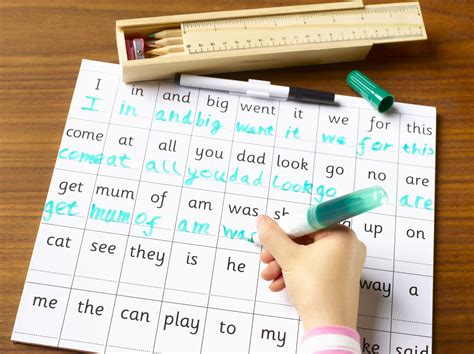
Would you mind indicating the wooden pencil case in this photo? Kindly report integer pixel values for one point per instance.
(229, 61)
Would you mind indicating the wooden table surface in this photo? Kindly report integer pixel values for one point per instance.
(43, 42)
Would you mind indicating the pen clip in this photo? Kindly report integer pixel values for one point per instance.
(263, 82)
(255, 89)
(254, 94)
(258, 94)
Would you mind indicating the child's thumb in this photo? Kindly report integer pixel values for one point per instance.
(274, 239)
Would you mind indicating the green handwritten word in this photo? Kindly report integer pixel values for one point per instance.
(323, 192)
(208, 122)
(59, 208)
(143, 219)
(127, 109)
(238, 234)
(293, 133)
(92, 103)
(414, 149)
(254, 129)
(374, 146)
(418, 202)
(334, 139)
(124, 217)
(220, 176)
(95, 159)
(195, 228)
(213, 124)
(164, 166)
(306, 187)
(109, 215)
(173, 116)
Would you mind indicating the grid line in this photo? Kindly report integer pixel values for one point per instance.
(216, 247)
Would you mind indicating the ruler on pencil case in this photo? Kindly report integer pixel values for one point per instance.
(384, 23)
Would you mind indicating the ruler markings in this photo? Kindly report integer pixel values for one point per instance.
(378, 23)
(314, 42)
(333, 13)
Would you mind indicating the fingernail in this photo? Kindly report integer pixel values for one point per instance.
(261, 219)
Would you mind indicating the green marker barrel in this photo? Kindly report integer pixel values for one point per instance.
(332, 212)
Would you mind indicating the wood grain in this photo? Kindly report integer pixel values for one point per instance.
(43, 42)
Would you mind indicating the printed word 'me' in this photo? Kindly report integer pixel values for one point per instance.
(43, 301)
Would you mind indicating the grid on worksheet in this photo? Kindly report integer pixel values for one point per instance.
(143, 244)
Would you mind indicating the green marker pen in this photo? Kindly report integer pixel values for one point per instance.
(332, 212)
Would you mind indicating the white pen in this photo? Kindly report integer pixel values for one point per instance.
(256, 88)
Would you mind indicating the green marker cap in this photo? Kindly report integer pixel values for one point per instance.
(377, 96)
(346, 206)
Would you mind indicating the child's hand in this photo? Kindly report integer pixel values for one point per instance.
(322, 274)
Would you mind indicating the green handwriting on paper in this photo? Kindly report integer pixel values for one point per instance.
(127, 110)
(334, 139)
(254, 129)
(217, 175)
(417, 202)
(414, 149)
(62, 208)
(94, 158)
(323, 192)
(286, 185)
(59, 208)
(173, 116)
(292, 133)
(194, 227)
(108, 215)
(164, 166)
(367, 143)
(92, 103)
(238, 234)
(214, 125)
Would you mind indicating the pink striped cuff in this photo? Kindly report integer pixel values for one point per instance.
(345, 331)
(331, 340)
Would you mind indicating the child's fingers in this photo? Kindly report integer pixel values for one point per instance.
(318, 235)
(272, 271)
(275, 240)
(304, 240)
(266, 257)
(278, 284)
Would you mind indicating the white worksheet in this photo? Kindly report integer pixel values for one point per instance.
(145, 242)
